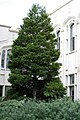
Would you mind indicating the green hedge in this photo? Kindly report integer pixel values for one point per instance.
(62, 109)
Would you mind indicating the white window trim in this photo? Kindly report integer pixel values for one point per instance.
(6, 48)
(67, 25)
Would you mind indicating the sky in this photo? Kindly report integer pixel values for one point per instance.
(13, 11)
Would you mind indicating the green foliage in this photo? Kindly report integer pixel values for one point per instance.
(33, 62)
(60, 109)
(55, 89)
(11, 110)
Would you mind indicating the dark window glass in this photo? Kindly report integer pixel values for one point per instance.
(72, 79)
(58, 40)
(72, 92)
(1, 91)
(72, 37)
(3, 59)
(7, 60)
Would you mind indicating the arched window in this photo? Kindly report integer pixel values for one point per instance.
(72, 37)
(3, 59)
(7, 59)
(71, 32)
(58, 39)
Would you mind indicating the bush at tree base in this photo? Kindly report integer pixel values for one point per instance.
(61, 109)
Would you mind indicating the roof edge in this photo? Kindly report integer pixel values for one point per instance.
(5, 26)
(60, 7)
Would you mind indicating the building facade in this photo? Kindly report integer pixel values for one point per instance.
(7, 36)
(66, 23)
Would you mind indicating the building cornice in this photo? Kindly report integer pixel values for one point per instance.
(16, 31)
(5, 26)
(69, 19)
(57, 9)
(10, 28)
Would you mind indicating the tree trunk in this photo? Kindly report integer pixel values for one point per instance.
(34, 87)
(34, 91)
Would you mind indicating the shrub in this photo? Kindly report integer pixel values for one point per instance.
(61, 109)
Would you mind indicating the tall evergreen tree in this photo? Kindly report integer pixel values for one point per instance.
(33, 62)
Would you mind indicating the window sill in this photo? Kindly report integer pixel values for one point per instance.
(71, 52)
(3, 68)
(69, 85)
(6, 69)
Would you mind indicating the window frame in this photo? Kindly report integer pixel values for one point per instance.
(72, 36)
(7, 57)
(71, 79)
(67, 23)
(58, 39)
(6, 49)
(3, 56)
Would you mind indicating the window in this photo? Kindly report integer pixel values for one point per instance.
(72, 92)
(6, 89)
(72, 86)
(72, 37)
(72, 79)
(66, 82)
(7, 59)
(58, 40)
(1, 87)
(3, 59)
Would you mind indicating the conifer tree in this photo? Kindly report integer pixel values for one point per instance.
(34, 60)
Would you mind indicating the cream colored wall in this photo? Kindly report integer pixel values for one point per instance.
(61, 19)
(7, 36)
